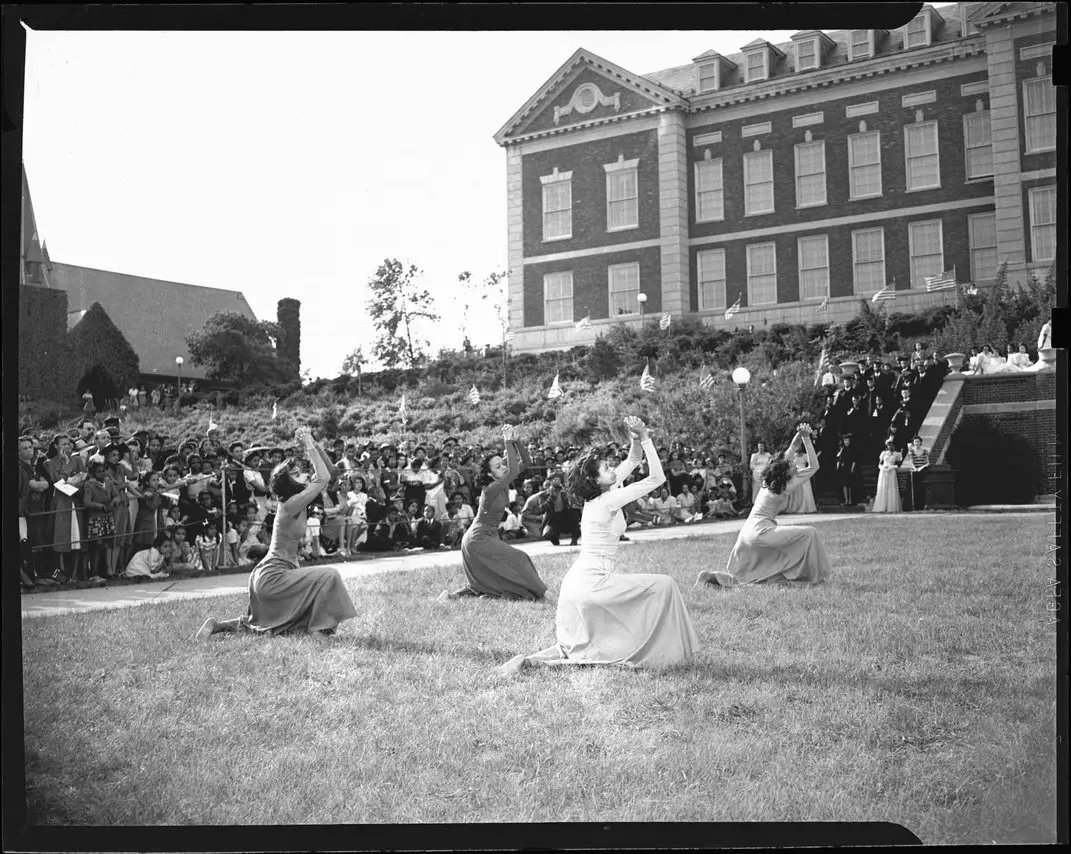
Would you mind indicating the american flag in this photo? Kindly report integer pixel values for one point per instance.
(665, 321)
(706, 381)
(824, 304)
(733, 309)
(555, 389)
(888, 292)
(508, 337)
(944, 282)
(212, 425)
(474, 396)
(583, 324)
(647, 381)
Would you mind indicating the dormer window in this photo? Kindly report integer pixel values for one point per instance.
(861, 44)
(711, 70)
(921, 29)
(811, 46)
(966, 28)
(708, 77)
(759, 57)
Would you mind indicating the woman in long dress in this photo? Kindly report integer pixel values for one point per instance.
(759, 460)
(284, 598)
(67, 526)
(1020, 360)
(887, 499)
(605, 617)
(768, 553)
(802, 499)
(492, 567)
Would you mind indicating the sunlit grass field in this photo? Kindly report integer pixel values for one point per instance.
(917, 688)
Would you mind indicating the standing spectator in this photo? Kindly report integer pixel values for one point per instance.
(919, 462)
(99, 500)
(759, 460)
(132, 395)
(413, 488)
(86, 429)
(847, 462)
(435, 487)
(33, 502)
(155, 396)
(65, 532)
(208, 545)
(89, 406)
(887, 499)
(150, 500)
(677, 472)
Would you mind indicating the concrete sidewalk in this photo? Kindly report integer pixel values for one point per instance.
(44, 604)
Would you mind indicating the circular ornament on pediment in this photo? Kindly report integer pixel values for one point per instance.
(586, 98)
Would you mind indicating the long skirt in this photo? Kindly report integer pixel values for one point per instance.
(769, 553)
(124, 530)
(628, 619)
(887, 499)
(284, 598)
(801, 499)
(67, 524)
(496, 569)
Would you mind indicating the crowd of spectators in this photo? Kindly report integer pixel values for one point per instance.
(160, 396)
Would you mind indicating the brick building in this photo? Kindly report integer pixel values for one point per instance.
(791, 176)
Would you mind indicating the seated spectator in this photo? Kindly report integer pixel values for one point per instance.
(185, 557)
(722, 507)
(153, 562)
(429, 530)
(686, 506)
(665, 507)
(512, 526)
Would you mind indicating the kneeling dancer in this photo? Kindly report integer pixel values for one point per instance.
(604, 617)
(282, 596)
(768, 553)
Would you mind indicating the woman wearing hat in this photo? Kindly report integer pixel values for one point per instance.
(284, 597)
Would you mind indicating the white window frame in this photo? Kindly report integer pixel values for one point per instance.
(908, 157)
(856, 263)
(701, 77)
(749, 77)
(718, 284)
(852, 166)
(556, 180)
(716, 195)
(748, 158)
(1036, 227)
(611, 272)
(819, 145)
(966, 28)
(982, 117)
(977, 273)
(919, 281)
(1048, 117)
(926, 32)
(853, 52)
(823, 291)
(566, 279)
(613, 170)
(752, 299)
(816, 62)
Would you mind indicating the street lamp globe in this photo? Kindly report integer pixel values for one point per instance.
(641, 298)
(178, 361)
(741, 376)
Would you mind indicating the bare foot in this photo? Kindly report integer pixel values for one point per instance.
(512, 667)
(705, 577)
(207, 630)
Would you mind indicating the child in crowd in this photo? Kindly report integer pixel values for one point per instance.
(231, 542)
(154, 562)
(208, 544)
(722, 508)
(185, 558)
(511, 527)
(310, 546)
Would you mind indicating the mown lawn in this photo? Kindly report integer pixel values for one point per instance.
(918, 688)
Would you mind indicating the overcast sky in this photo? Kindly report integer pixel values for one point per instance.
(292, 164)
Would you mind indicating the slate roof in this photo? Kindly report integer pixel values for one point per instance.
(30, 246)
(155, 316)
(683, 79)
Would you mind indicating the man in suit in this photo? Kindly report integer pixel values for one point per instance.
(842, 397)
(429, 530)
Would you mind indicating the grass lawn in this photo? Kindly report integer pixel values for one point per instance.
(918, 688)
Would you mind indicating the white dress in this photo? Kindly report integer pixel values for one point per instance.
(801, 499)
(627, 619)
(758, 465)
(887, 499)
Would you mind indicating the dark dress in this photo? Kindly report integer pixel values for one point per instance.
(492, 567)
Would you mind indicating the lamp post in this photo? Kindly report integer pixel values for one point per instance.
(178, 394)
(641, 298)
(742, 376)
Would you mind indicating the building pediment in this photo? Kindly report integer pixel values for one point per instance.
(586, 89)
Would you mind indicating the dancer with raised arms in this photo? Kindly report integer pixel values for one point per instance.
(492, 567)
(284, 598)
(768, 553)
(605, 617)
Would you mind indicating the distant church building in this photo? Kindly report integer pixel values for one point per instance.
(791, 176)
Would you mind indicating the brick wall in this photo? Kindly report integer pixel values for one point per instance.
(1026, 69)
(1011, 388)
(629, 102)
(1039, 429)
(44, 357)
(941, 442)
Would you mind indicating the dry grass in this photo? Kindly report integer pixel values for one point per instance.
(917, 689)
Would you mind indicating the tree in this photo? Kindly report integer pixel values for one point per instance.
(395, 304)
(235, 348)
(351, 366)
(106, 362)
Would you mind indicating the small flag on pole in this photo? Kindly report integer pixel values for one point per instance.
(212, 425)
(824, 304)
(583, 324)
(474, 396)
(274, 409)
(821, 365)
(665, 321)
(401, 410)
(733, 309)
(706, 381)
(887, 292)
(944, 282)
(647, 381)
(555, 389)
(508, 337)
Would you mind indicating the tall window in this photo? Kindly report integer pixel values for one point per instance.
(927, 251)
(864, 164)
(1043, 224)
(709, 191)
(978, 141)
(810, 174)
(624, 288)
(1039, 107)
(868, 260)
(558, 297)
(761, 274)
(814, 266)
(806, 54)
(622, 195)
(711, 263)
(982, 233)
(859, 45)
(558, 208)
(758, 182)
(923, 166)
(917, 31)
(756, 66)
(708, 76)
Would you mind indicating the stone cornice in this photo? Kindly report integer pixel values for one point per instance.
(605, 120)
(1016, 14)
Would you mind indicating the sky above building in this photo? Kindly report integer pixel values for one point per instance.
(293, 164)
